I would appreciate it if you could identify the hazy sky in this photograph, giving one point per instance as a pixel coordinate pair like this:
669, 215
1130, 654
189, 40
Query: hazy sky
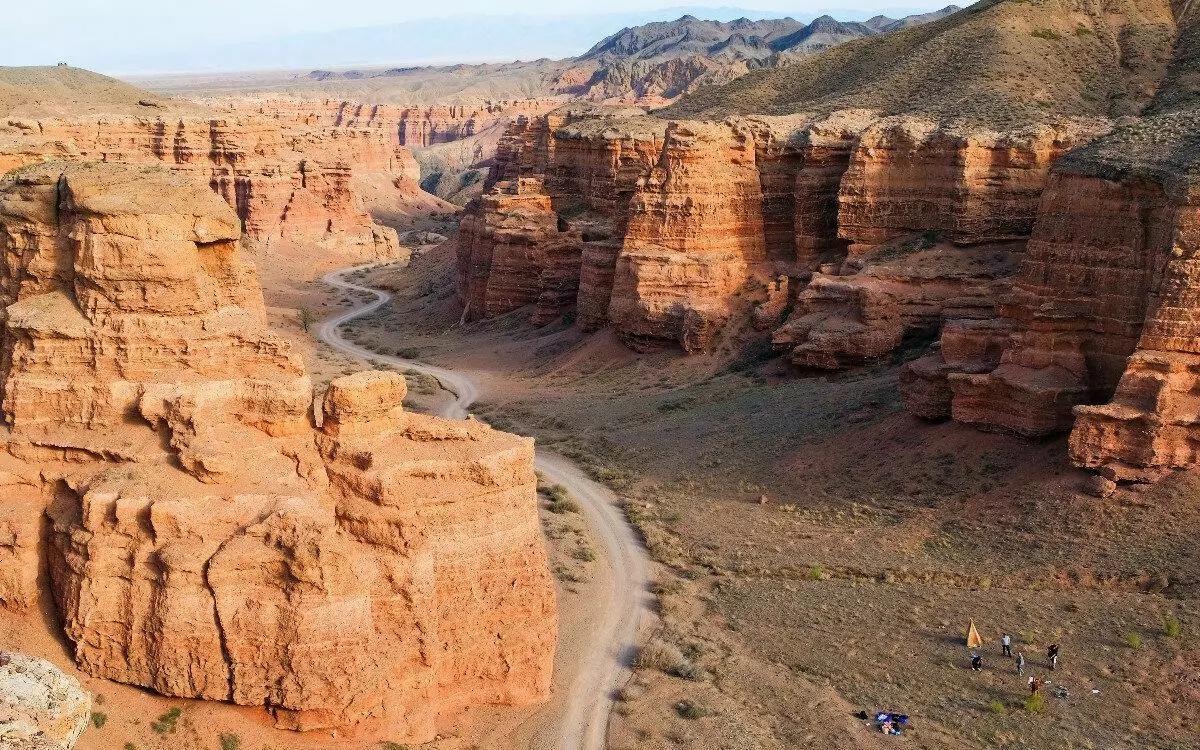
38, 32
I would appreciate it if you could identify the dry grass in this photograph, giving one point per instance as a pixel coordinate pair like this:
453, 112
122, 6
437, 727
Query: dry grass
998, 61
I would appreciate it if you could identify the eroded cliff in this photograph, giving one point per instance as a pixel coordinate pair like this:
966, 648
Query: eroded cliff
213, 533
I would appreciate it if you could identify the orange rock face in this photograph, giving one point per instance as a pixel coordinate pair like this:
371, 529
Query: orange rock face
414, 127
206, 540
679, 221
898, 179
1098, 335
290, 185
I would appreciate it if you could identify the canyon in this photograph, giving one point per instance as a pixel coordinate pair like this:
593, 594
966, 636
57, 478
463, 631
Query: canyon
853, 234
214, 532
300, 189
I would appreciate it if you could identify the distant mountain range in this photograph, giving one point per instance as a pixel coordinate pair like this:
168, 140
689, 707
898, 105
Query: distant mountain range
433, 41
657, 62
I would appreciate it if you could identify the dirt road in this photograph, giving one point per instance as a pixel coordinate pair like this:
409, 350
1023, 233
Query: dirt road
582, 719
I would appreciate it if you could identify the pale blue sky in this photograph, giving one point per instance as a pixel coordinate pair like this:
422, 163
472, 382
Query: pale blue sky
103, 33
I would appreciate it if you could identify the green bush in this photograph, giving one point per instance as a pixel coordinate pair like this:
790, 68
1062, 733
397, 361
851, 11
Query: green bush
1047, 34
1172, 627
231, 741
1035, 703
1134, 640
392, 746
585, 554
167, 723
98, 719
815, 573
1082, 30
996, 707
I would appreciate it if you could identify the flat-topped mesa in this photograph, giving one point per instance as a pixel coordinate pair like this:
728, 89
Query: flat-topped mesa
206, 540
1103, 309
290, 185
505, 250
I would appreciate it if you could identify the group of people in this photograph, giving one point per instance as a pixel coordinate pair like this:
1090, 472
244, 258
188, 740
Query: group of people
1006, 650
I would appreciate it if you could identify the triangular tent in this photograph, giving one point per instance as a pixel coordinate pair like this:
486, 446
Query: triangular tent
973, 639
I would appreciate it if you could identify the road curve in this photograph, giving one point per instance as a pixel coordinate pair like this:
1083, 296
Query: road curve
583, 719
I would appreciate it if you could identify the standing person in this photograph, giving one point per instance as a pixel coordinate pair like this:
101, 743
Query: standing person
1006, 645
1035, 684
1052, 655
1020, 663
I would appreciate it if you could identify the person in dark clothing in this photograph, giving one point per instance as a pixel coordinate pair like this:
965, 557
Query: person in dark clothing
976, 662
1052, 655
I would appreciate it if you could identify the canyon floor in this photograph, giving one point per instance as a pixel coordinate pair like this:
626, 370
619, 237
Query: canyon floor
823, 551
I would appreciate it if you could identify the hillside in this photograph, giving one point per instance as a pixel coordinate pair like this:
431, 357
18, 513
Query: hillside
65, 91
998, 61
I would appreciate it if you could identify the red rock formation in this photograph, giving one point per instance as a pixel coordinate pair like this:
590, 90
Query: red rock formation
1098, 336
911, 175
674, 225
695, 231
414, 127
289, 185
206, 541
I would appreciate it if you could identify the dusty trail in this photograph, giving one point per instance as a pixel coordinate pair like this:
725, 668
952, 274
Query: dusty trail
582, 719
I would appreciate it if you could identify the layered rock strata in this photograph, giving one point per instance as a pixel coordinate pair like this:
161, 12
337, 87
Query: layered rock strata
290, 186
212, 534
413, 127
679, 220
1096, 338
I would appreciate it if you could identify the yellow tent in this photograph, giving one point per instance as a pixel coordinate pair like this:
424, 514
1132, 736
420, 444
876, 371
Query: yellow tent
973, 639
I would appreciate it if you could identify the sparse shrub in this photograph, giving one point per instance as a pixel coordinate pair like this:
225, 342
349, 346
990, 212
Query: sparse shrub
815, 573
1082, 30
1035, 703
392, 746
996, 707
690, 710
560, 499
129, 746
167, 723
1172, 627
99, 718
231, 741
1047, 34
659, 655
585, 554
307, 317
1134, 640
409, 352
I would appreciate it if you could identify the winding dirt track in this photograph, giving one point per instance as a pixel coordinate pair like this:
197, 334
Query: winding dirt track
583, 717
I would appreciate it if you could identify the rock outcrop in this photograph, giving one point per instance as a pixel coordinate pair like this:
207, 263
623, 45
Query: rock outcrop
212, 534
40, 707
670, 224
291, 186
1096, 337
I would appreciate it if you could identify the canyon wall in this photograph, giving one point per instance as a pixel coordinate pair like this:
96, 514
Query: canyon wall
215, 534
292, 186
1097, 336
413, 127
883, 227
